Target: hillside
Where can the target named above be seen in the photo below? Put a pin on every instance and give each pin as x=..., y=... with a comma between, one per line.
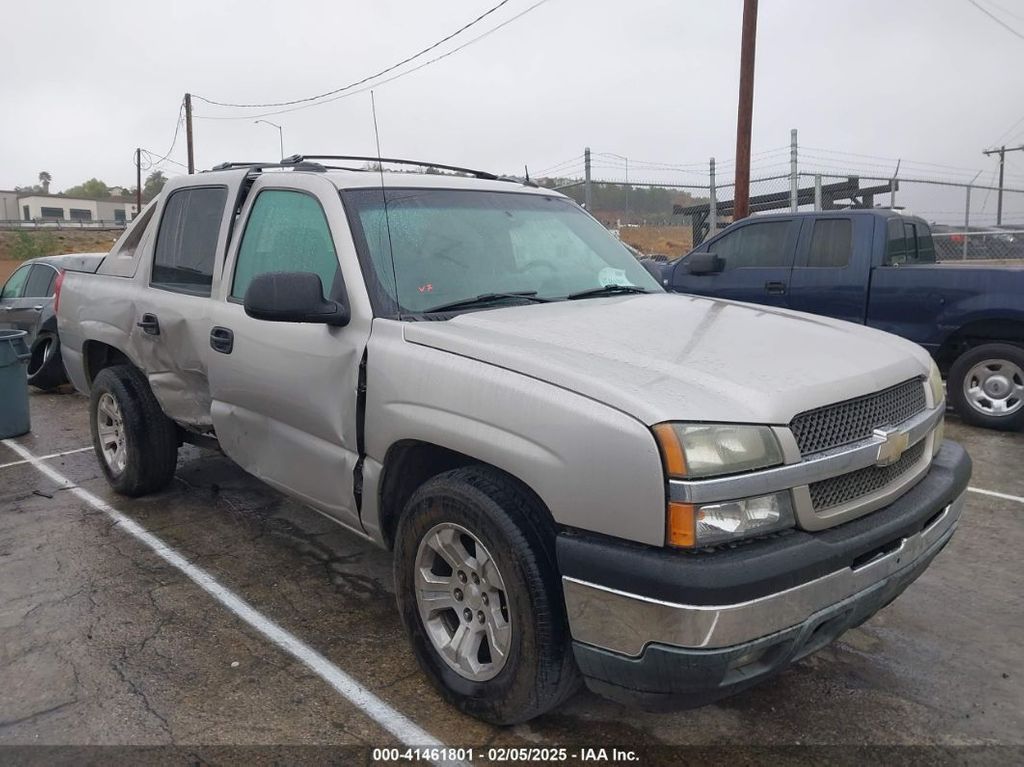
x=17, y=246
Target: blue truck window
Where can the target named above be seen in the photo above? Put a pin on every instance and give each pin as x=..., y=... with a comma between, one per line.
x=755, y=245
x=895, y=253
x=831, y=243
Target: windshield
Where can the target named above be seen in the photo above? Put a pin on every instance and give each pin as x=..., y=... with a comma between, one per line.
x=454, y=245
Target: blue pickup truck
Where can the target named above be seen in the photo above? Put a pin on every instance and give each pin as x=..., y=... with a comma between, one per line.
x=878, y=267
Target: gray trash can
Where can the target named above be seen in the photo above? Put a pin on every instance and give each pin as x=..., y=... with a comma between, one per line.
x=14, y=356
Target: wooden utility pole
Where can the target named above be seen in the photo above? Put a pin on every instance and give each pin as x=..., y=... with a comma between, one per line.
x=188, y=133
x=744, y=118
x=138, y=181
x=1001, y=151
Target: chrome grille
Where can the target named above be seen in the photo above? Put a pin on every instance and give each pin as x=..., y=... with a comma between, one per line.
x=855, y=419
x=848, y=487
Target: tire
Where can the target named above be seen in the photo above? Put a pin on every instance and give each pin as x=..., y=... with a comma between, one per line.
x=136, y=444
x=538, y=671
x=45, y=366
x=986, y=385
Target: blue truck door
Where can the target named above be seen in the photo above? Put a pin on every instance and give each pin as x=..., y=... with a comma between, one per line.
x=833, y=265
x=905, y=298
x=756, y=259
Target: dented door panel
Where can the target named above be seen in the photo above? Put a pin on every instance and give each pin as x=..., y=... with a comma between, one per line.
x=284, y=399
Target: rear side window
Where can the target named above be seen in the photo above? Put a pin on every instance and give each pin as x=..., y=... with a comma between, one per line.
x=910, y=242
x=754, y=245
x=186, y=243
x=40, y=282
x=925, y=245
x=131, y=242
x=895, y=253
x=831, y=243
x=286, y=232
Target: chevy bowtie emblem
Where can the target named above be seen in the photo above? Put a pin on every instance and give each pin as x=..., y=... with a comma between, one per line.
x=894, y=442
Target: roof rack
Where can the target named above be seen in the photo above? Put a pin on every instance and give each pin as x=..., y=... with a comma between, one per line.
x=306, y=162
x=300, y=158
x=288, y=162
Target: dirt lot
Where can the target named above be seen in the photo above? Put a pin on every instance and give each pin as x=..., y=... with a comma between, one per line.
x=671, y=241
x=109, y=636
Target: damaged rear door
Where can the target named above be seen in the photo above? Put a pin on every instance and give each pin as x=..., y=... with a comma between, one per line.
x=169, y=327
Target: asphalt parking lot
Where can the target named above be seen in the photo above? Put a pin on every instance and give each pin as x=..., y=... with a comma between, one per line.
x=106, y=639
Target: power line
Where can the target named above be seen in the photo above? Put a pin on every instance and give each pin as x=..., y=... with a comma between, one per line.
x=995, y=18
x=811, y=149
x=153, y=161
x=365, y=88
x=393, y=67
x=571, y=161
x=174, y=140
x=1008, y=131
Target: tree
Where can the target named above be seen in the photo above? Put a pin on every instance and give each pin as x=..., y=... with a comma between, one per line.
x=91, y=188
x=154, y=183
x=45, y=178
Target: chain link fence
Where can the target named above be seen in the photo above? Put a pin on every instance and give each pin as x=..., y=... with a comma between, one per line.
x=665, y=208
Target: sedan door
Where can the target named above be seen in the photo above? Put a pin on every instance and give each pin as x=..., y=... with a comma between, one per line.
x=24, y=311
x=11, y=295
x=756, y=260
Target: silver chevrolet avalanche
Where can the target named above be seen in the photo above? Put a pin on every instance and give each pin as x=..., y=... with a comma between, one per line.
x=582, y=478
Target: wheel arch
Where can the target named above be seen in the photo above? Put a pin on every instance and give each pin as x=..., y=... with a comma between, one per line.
x=98, y=355
x=975, y=333
x=409, y=463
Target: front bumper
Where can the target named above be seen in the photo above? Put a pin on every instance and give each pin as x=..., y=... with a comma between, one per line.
x=665, y=628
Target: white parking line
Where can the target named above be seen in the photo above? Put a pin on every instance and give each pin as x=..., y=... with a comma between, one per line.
x=994, y=494
x=45, y=457
x=403, y=728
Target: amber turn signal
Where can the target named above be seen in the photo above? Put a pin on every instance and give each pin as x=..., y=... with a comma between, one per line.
x=671, y=449
x=681, y=526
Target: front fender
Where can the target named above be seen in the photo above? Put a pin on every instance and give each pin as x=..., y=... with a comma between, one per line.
x=595, y=468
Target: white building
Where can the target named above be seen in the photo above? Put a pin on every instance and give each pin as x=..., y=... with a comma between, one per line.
x=45, y=208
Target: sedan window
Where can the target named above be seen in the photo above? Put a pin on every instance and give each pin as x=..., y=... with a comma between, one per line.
x=17, y=281
x=40, y=282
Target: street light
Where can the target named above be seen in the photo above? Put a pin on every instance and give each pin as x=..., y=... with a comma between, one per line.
x=280, y=133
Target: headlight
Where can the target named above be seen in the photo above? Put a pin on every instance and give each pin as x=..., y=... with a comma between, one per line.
x=694, y=451
x=935, y=384
x=713, y=523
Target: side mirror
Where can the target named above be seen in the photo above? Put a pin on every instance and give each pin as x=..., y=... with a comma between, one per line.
x=655, y=268
x=293, y=297
x=704, y=263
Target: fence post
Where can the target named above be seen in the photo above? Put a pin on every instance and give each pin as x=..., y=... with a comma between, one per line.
x=587, y=198
x=712, y=202
x=967, y=219
x=794, y=179
x=817, y=191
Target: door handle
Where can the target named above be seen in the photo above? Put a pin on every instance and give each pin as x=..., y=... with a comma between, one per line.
x=222, y=340
x=37, y=308
x=775, y=288
x=149, y=324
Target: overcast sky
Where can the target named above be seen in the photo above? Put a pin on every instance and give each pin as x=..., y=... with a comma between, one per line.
x=654, y=80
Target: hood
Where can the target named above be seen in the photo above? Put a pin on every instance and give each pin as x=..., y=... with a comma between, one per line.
x=665, y=357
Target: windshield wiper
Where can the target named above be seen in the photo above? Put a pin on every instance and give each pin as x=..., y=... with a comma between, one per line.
x=606, y=290
x=486, y=298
